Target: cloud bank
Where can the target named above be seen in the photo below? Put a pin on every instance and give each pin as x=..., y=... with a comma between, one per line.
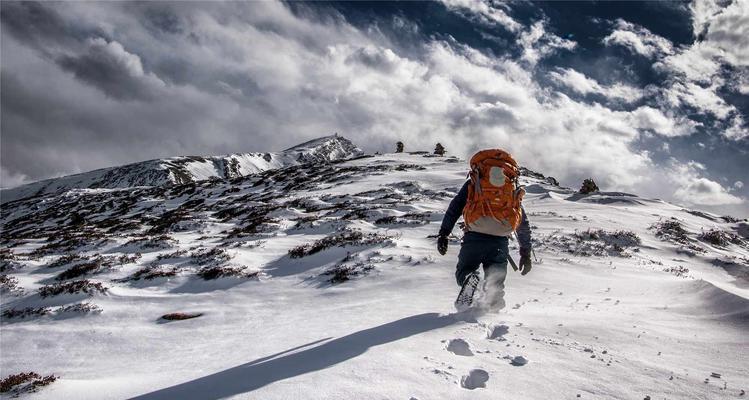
x=88, y=85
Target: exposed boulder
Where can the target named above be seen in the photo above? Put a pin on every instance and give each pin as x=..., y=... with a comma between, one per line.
x=439, y=150
x=589, y=186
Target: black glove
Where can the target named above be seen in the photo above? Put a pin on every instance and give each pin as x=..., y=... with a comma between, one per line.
x=442, y=244
x=525, y=261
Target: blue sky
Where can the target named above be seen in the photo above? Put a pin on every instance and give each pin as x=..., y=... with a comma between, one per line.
x=646, y=97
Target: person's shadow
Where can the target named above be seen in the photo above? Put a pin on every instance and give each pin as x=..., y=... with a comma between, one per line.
x=264, y=371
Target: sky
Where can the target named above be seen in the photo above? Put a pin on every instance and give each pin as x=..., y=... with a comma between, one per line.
x=649, y=97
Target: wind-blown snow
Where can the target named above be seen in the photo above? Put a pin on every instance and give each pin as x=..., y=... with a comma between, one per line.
x=630, y=297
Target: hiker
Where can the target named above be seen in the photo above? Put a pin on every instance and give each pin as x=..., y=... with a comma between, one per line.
x=491, y=204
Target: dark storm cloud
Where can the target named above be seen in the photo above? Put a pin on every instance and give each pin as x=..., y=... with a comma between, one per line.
x=32, y=22
x=40, y=26
x=159, y=18
x=110, y=68
x=83, y=50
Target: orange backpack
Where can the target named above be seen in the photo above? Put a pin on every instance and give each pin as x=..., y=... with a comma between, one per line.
x=494, y=191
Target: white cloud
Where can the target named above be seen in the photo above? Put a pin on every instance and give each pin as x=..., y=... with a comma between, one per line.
x=697, y=63
x=643, y=118
x=695, y=189
x=725, y=32
x=537, y=43
x=703, y=11
x=486, y=11
x=585, y=85
x=638, y=40
x=741, y=82
x=704, y=191
x=737, y=129
x=704, y=99
x=727, y=29
x=12, y=179
x=696, y=72
x=535, y=40
x=649, y=118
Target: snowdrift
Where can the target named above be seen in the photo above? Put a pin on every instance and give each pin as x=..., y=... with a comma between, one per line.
x=320, y=280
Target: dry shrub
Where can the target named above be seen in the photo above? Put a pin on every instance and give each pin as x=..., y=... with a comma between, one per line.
x=152, y=272
x=671, y=230
x=9, y=284
x=89, y=267
x=215, y=272
x=153, y=242
x=719, y=238
x=31, y=382
x=619, y=238
x=679, y=271
x=172, y=255
x=125, y=259
x=81, y=286
x=79, y=308
x=342, y=272
x=65, y=260
x=342, y=239
x=215, y=255
x=406, y=219
x=27, y=312
x=595, y=243
x=6, y=254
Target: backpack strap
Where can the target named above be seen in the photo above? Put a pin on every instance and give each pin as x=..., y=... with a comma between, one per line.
x=475, y=176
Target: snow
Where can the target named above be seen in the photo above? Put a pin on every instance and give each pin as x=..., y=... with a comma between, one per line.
x=497, y=331
x=476, y=378
x=179, y=170
x=459, y=347
x=617, y=324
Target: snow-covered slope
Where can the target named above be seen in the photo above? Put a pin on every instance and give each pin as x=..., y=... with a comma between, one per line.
x=328, y=286
x=185, y=169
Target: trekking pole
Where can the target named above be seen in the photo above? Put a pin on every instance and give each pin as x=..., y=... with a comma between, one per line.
x=514, y=237
x=533, y=251
x=512, y=262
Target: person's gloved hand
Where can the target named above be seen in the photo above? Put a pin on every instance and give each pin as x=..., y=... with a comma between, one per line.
x=525, y=261
x=442, y=244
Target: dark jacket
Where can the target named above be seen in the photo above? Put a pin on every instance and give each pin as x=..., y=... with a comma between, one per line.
x=455, y=210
